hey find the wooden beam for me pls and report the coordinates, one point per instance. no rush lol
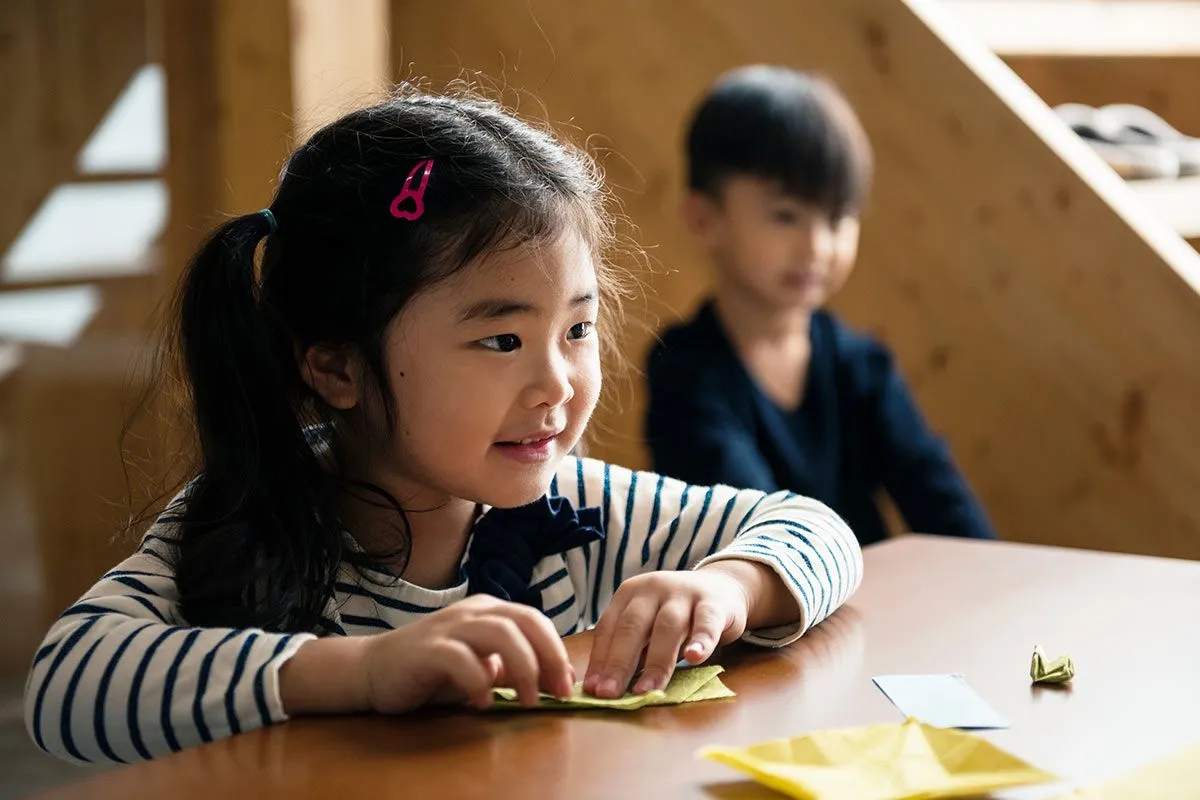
(340, 58)
(1046, 319)
(65, 62)
(229, 111)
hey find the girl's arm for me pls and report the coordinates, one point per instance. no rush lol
(656, 523)
(121, 677)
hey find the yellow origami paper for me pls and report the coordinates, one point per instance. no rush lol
(685, 686)
(1175, 777)
(1060, 670)
(881, 762)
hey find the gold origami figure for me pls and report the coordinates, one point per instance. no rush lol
(1060, 670)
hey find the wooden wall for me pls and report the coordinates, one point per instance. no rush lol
(62, 63)
(1046, 322)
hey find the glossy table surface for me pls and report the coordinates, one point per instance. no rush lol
(927, 604)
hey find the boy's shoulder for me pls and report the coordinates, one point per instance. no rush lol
(694, 348)
(701, 332)
(849, 342)
(859, 355)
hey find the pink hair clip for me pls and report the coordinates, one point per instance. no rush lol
(416, 195)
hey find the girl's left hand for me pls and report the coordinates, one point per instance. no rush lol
(664, 614)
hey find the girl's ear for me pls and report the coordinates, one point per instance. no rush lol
(334, 373)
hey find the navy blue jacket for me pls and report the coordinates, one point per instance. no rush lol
(857, 430)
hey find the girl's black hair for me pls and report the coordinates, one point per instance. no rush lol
(260, 539)
(783, 125)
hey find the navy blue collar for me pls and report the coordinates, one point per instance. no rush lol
(508, 543)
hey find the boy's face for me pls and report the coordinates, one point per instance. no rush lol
(782, 251)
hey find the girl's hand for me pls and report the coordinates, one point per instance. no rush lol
(462, 651)
(664, 614)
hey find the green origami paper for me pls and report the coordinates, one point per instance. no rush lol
(686, 686)
(1060, 670)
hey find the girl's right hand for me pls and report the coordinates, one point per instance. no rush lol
(463, 651)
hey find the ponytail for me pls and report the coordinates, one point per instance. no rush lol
(259, 542)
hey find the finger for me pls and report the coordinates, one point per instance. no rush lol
(465, 671)
(503, 637)
(495, 668)
(602, 641)
(630, 634)
(555, 673)
(708, 623)
(671, 628)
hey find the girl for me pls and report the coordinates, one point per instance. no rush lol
(386, 514)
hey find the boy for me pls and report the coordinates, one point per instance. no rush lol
(763, 388)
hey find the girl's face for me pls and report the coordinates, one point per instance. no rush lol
(495, 373)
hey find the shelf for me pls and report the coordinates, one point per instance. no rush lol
(1175, 201)
(1082, 27)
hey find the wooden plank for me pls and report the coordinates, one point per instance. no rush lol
(1045, 318)
(229, 99)
(340, 58)
(64, 63)
(1081, 27)
(1176, 202)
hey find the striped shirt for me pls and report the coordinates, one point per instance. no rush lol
(121, 676)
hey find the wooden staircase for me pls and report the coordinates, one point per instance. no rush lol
(1145, 52)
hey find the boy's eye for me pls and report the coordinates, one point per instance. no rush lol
(504, 343)
(581, 330)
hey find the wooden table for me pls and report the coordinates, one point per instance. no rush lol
(1132, 624)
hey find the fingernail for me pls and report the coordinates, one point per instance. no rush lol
(644, 685)
(607, 689)
(589, 683)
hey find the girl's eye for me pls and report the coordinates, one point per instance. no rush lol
(504, 343)
(581, 330)
(786, 216)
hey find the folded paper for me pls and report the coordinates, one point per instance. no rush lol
(686, 686)
(1060, 670)
(1174, 777)
(881, 762)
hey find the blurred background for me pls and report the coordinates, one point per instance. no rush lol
(1035, 277)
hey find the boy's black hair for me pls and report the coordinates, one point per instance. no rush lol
(783, 125)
